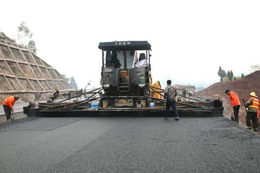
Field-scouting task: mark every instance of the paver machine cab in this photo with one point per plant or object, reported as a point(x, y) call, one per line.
point(126, 73)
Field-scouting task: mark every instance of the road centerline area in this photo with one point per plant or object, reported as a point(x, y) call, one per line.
point(121, 144)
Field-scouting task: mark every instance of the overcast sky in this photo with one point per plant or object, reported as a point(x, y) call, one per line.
point(190, 38)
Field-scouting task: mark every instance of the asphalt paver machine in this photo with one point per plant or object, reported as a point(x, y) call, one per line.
point(126, 89)
point(125, 73)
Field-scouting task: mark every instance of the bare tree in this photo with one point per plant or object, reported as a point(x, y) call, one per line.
point(25, 37)
point(255, 67)
point(24, 33)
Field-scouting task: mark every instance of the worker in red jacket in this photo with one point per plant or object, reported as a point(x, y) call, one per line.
point(8, 104)
point(235, 103)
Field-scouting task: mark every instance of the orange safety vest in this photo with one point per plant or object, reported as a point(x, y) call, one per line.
point(255, 104)
point(9, 101)
point(234, 99)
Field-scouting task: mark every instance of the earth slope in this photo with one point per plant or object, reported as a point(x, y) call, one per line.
point(243, 87)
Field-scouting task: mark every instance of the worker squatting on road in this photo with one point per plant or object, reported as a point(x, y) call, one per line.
point(235, 103)
point(8, 104)
point(170, 95)
point(252, 106)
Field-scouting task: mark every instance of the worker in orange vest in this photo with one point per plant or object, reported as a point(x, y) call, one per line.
point(252, 106)
point(235, 103)
point(8, 104)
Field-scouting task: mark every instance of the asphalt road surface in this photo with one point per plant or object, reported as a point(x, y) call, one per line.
point(127, 145)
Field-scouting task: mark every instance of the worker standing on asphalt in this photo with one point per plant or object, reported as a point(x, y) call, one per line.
point(235, 103)
point(8, 104)
point(253, 110)
point(170, 94)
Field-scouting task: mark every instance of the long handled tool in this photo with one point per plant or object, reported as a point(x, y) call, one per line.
point(232, 116)
point(244, 105)
point(12, 116)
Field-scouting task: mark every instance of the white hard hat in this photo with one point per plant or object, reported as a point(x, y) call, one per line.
point(253, 94)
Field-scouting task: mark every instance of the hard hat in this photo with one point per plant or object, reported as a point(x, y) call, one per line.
point(253, 94)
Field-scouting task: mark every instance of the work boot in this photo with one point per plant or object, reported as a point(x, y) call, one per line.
point(176, 119)
point(255, 130)
point(249, 127)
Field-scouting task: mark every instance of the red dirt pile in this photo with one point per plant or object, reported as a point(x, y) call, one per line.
point(243, 87)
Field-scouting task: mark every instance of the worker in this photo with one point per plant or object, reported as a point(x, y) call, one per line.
point(184, 92)
point(115, 60)
point(170, 95)
point(108, 58)
point(55, 95)
point(252, 106)
point(8, 104)
point(235, 103)
point(142, 61)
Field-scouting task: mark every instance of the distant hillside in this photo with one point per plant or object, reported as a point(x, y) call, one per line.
point(243, 87)
point(200, 88)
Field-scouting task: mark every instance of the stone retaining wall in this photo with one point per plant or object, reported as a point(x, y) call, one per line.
point(23, 73)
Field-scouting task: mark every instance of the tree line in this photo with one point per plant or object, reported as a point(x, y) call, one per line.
point(229, 75)
point(71, 81)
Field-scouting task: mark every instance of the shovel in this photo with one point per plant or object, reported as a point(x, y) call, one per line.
point(232, 116)
point(12, 116)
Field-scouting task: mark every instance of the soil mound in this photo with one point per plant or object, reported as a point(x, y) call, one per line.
point(243, 87)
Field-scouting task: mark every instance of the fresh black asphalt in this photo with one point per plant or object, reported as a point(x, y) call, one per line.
point(122, 145)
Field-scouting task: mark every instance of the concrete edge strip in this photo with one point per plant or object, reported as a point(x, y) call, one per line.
point(16, 112)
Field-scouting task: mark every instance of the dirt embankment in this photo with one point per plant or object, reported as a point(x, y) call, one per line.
point(243, 87)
